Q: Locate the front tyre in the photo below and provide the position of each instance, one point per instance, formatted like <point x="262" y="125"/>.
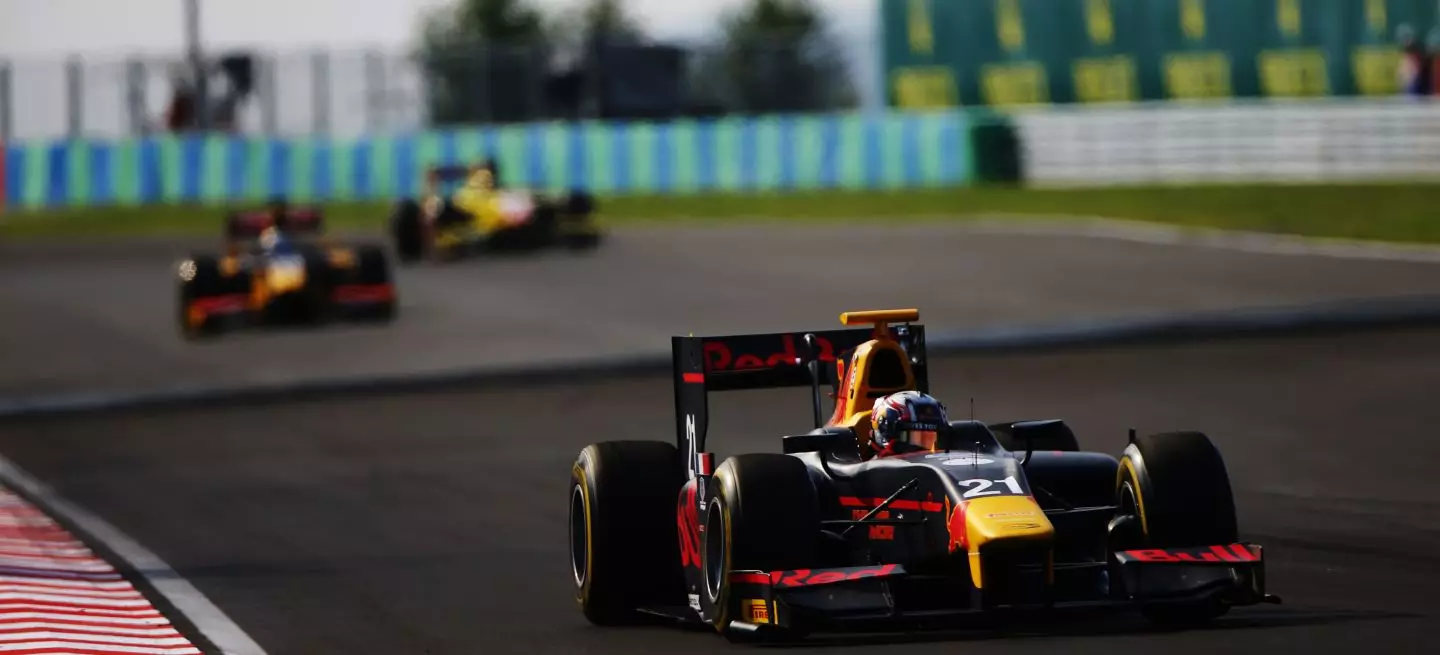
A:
<point x="408" y="231"/>
<point x="762" y="514"/>
<point x="623" y="531"/>
<point x="374" y="270"/>
<point x="1176" y="490"/>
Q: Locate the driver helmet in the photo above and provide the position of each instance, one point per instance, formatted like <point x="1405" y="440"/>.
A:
<point x="274" y="240"/>
<point x="906" y="421"/>
<point x="481" y="178"/>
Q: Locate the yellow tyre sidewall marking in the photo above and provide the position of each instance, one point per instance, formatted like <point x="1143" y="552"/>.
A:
<point x="583" y="594"/>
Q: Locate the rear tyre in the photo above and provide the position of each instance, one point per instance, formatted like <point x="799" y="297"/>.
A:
<point x="623" y="531"/>
<point x="578" y="231"/>
<point x="407" y="231"/>
<point x="374" y="269"/>
<point x="314" y="303"/>
<point x="762" y="514"/>
<point x="1177" y="489"/>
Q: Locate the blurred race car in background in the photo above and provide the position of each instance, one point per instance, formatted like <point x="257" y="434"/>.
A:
<point x="481" y="217"/>
<point x="276" y="268"/>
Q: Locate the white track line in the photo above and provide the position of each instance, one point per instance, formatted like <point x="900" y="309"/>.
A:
<point x="184" y="597"/>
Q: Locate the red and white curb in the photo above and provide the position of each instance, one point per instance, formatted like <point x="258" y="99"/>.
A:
<point x="57" y="597"/>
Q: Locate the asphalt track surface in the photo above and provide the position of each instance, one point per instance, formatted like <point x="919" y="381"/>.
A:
<point x="100" y="317"/>
<point x="435" y="522"/>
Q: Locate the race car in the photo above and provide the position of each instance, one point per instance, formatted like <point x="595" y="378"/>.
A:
<point x="976" y="521"/>
<point x="277" y="269"/>
<point x="481" y="217"/>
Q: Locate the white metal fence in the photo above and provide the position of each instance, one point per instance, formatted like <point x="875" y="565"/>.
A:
<point x="297" y="93"/>
<point x="1264" y="141"/>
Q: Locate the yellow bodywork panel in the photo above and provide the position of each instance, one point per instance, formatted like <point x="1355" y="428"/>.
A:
<point x="1003" y="518"/>
<point x="483" y="206"/>
<point x="880" y="316"/>
<point x="342" y="257"/>
<point x="284" y="279"/>
<point x="859" y="386"/>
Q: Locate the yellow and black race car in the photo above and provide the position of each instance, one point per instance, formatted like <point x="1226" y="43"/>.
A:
<point x="905" y="519"/>
<point x="481" y="217"/>
<point x="277" y="270"/>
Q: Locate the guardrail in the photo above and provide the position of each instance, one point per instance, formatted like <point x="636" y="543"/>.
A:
<point x="842" y="151"/>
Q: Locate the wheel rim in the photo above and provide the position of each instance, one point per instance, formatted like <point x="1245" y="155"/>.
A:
<point x="579" y="536"/>
<point x="714" y="550"/>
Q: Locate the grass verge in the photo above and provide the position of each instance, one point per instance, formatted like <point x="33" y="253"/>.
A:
<point x="1402" y="212"/>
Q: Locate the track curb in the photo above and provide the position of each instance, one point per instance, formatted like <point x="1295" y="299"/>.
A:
<point x="1289" y="320"/>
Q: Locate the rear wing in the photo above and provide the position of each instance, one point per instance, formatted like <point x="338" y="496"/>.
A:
<point x="295" y="221"/>
<point x="438" y="176"/>
<point x="701" y="365"/>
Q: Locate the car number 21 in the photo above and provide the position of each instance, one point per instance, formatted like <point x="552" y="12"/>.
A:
<point x="978" y="486"/>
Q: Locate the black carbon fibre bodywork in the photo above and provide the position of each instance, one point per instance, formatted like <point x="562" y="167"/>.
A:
<point x="980" y="522"/>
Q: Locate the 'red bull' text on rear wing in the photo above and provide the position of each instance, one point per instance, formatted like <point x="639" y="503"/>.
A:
<point x="701" y="365"/>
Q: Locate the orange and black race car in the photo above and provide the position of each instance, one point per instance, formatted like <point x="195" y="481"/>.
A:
<point x="973" y="521"/>
<point x="276" y="268"/>
<point x="482" y="217"/>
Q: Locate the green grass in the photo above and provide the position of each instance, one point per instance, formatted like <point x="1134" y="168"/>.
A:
<point x="1405" y="212"/>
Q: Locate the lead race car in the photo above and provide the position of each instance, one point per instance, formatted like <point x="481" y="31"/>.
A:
<point x="276" y="268"/>
<point x="955" y="519"/>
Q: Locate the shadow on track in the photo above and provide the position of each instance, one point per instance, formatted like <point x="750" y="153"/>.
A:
<point x="1104" y="625"/>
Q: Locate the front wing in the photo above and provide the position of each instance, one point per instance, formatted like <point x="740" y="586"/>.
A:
<point x="761" y="601"/>
<point x="248" y="299"/>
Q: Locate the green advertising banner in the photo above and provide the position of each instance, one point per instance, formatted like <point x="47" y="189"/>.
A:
<point x="946" y="53"/>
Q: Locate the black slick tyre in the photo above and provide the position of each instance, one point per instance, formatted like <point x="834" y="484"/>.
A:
<point x="762" y="514"/>
<point x="374" y="269"/>
<point x="407" y="231"/>
<point x="1177" y="490"/>
<point x="623" y="532"/>
<point x="313" y="304"/>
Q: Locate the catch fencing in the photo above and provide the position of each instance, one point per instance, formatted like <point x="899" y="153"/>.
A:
<point x="349" y="93"/>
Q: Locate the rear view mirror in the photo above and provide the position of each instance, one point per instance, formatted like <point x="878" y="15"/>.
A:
<point x="824" y="440"/>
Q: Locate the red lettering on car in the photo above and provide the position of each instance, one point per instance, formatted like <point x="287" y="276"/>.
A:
<point x="689" y="523"/>
<point x="795" y="579"/>
<point x="1151" y="555"/>
<point x="808" y="577"/>
<point x="719" y="356"/>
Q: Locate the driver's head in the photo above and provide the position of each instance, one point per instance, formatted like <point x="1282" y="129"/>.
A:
<point x="270" y="237"/>
<point x="906" y="422"/>
<point x="481" y="178"/>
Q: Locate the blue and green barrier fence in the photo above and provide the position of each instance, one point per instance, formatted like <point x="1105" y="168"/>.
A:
<point x="738" y="155"/>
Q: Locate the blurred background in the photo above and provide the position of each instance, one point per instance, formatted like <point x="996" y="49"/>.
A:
<point x="336" y="100"/>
